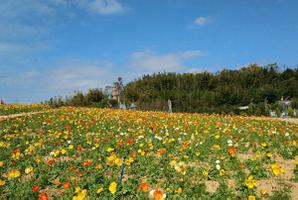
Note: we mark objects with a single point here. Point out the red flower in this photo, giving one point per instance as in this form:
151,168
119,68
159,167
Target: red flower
50,162
35,188
43,196
79,148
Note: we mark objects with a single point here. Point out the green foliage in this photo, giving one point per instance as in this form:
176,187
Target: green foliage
93,98
222,92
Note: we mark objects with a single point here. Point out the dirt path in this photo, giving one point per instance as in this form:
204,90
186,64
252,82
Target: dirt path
12,116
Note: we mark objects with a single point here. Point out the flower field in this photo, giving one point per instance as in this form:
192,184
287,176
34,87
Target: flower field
86,153
21,108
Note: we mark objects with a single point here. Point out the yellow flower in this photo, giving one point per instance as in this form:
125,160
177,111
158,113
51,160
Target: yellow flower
14,174
251,197
222,172
269,155
250,182
264,192
111,159
1,163
109,149
216,147
264,144
28,170
179,190
118,162
80,196
63,151
70,146
129,161
276,169
113,187
205,173
100,190
2,182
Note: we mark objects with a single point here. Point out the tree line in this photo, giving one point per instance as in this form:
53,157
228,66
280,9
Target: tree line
259,88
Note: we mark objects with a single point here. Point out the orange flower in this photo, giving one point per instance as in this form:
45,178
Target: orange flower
43,196
144,187
232,150
162,151
66,185
158,195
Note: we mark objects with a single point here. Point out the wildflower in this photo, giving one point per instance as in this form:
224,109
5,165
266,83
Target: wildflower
16,154
118,162
28,170
66,185
63,151
100,190
113,187
269,155
70,147
180,167
179,190
109,149
251,197
276,169
264,192
222,172
14,174
98,166
144,187
111,159
264,144
43,196
1,163
2,182
250,182
232,150
157,194
217,167
81,195
35,188
205,173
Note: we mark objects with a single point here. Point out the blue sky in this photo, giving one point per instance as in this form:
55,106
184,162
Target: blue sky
53,47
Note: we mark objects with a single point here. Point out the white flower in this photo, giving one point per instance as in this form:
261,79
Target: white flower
217,167
217,161
158,137
287,134
140,137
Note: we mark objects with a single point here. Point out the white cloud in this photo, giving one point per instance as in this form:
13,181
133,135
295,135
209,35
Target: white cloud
150,61
106,7
79,75
202,21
